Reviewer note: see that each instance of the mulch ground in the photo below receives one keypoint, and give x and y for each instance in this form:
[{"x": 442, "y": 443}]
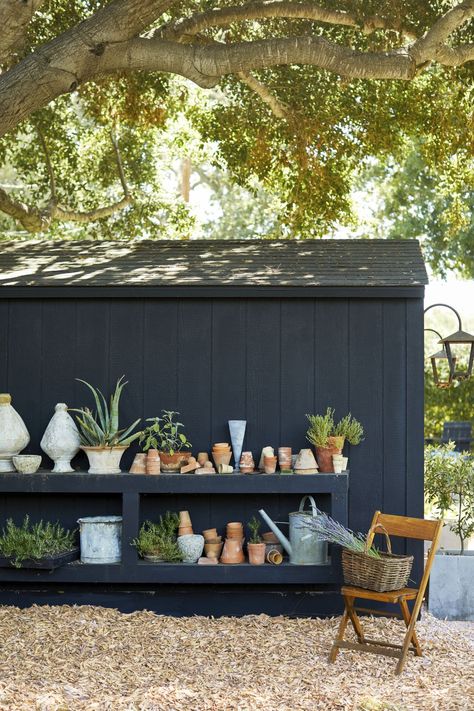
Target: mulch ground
[{"x": 92, "y": 658}]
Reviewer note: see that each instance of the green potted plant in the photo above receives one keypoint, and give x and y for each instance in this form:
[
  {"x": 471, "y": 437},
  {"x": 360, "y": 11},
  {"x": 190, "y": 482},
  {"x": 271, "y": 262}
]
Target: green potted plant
[
  {"x": 156, "y": 542},
  {"x": 449, "y": 487},
  {"x": 255, "y": 547},
  {"x": 40, "y": 545},
  {"x": 172, "y": 444},
  {"x": 328, "y": 437},
  {"x": 101, "y": 438}
]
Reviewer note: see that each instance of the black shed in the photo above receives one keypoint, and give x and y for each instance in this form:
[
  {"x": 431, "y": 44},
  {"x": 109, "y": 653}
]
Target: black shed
[{"x": 264, "y": 331}]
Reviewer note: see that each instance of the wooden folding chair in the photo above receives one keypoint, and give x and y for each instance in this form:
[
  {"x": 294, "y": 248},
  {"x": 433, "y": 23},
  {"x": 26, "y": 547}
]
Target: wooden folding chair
[{"x": 406, "y": 527}]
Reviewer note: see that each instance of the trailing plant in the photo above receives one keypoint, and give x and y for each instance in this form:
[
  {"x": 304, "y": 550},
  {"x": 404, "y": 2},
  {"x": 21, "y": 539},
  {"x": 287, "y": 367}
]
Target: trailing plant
[
  {"x": 321, "y": 427},
  {"x": 159, "y": 538},
  {"x": 163, "y": 434},
  {"x": 254, "y": 526},
  {"x": 34, "y": 541},
  {"x": 327, "y": 529},
  {"x": 349, "y": 428},
  {"x": 101, "y": 428},
  {"x": 449, "y": 486}
]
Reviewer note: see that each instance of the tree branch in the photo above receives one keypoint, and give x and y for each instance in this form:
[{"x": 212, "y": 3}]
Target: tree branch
[
  {"x": 285, "y": 9},
  {"x": 277, "y": 107},
  {"x": 65, "y": 215},
  {"x": 15, "y": 18},
  {"x": 428, "y": 47}
]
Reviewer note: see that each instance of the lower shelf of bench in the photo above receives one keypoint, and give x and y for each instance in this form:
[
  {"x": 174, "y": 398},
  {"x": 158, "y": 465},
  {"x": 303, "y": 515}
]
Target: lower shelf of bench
[{"x": 179, "y": 573}]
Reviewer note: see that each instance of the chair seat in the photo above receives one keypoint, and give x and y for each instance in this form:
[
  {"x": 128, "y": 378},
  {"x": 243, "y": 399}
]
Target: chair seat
[{"x": 390, "y": 596}]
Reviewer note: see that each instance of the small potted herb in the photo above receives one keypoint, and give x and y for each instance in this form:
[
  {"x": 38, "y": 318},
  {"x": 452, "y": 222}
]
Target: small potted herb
[
  {"x": 172, "y": 444},
  {"x": 328, "y": 437},
  {"x": 255, "y": 547},
  {"x": 40, "y": 545},
  {"x": 156, "y": 542},
  {"x": 101, "y": 438}
]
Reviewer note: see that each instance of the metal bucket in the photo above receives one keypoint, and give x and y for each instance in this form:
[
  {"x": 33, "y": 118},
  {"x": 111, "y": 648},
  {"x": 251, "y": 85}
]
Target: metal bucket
[
  {"x": 101, "y": 539},
  {"x": 305, "y": 547}
]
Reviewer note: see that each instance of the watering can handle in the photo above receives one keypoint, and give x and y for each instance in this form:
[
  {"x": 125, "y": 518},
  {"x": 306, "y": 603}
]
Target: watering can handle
[{"x": 314, "y": 508}]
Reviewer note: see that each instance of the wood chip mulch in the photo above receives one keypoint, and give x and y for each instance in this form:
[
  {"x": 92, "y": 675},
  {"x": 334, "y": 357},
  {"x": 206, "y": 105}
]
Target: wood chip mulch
[{"x": 97, "y": 659}]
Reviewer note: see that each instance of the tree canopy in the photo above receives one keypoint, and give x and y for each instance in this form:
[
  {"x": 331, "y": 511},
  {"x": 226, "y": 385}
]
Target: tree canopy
[{"x": 294, "y": 97}]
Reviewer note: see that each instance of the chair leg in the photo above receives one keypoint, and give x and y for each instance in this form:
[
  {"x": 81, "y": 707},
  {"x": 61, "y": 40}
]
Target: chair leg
[
  {"x": 406, "y": 644},
  {"x": 407, "y": 618},
  {"x": 339, "y": 637},
  {"x": 349, "y": 601}
]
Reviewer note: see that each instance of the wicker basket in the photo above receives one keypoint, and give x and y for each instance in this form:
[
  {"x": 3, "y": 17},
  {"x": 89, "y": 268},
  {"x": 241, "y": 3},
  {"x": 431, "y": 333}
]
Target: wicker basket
[{"x": 389, "y": 572}]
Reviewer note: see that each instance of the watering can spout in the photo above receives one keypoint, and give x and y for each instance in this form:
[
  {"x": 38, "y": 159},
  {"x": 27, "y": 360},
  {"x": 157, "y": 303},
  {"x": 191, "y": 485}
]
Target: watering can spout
[{"x": 283, "y": 539}]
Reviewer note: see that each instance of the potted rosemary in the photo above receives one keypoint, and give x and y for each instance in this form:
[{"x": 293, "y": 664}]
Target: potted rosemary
[
  {"x": 101, "y": 438},
  {"x": 172, "y": 444},
  {"x": 328, "y": 437},
  {"x": 255, "y": 547},
  {"x": 449, "y": 488},
  {"x": 44, "y": 546},
  {"x": 156, "y": 542}
]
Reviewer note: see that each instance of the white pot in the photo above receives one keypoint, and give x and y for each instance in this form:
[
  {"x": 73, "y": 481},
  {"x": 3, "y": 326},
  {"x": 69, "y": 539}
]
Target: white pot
[
  {"x": 101, "y": 539},
  {"x": 104, "y": 460},
  {"x": 451, "y": 591},
  {"x": 13, "y": 433},
  {"x": 61, "y": 439}
]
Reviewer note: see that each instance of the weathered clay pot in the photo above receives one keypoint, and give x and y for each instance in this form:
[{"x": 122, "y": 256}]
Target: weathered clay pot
[
  {"x": 139, "y": 464},
  {"x": 274, "y": 556},
  {"x": 213, "y": 550},
  {"x": 184, "y": 519},
  {"x": 247, "y": 464},
  {"x": 185, "y": 531},
  {"x": 191, "y": 547},
  {"x": 221, "y": 456},
  {"x": 104, "y": 460},
  {"x": 266, "y": 452},
  {"x": 235, "y": 530},
  {"x": 324, "y": 454},
  {"x": 232, "y": 553},
  {"x": 202, "y": 458},
  {"x": 284, "y": 457},
  {"x": 305, "y": 463},
  {"x": 173, "y": 462},
  {"x": 269, "y": 464},
  {"x": 256, "y": 553},
  {"x": 209, "y": 534},
  {"x": 269, "y": 537}
]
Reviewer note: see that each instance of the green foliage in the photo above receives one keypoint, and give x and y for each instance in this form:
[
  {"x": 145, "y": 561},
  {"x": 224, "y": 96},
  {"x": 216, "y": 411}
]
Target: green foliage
[
  {"x": 321, "y": 427},
  {"x": 163, "y": 434},
  {"x": 254, "y": 526},
  {"x": 159, "y": 539},
  {"x": 452, "y": 404},
  {"x": 34, "y": 541},
  {"x": 449, "y": 486},
  {"x": 101, "y": 428}
]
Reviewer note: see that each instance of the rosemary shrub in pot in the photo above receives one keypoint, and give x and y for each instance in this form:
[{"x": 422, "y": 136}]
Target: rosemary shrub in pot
[
  {"x": 101, "y": 437},
  {"x": 449, "y": 487},
  {"x": 157, "y": 542},
  {"x": 164, "y": 434},
  {"x": 329, "y": 437},
  {"x": 39, "y": 545}
]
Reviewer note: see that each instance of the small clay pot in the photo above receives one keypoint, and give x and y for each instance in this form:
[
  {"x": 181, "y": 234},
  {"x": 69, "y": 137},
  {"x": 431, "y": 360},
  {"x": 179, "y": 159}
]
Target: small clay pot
[
  {"x": 269, "y": 464},
  {"x": 217, "y": 539},
  {"x": 213, "y": 550},
  {"x": 209, "y": 533},
  {"x": 185, "y": 531},
  {"x": 185, "y": 519},
  {"x": 269, "y": 537},
  {"x": 274, "y": 557},
  {"x": 139, "y": 464},
  {"x": 247, "y": 464},
  {"x": 153, "y": 468},
  {"x": 221, "y": 457},
  {"x": 284, "y": 457},
  {"x": 202, "y": 458},
  {"x": 221, "y": 445},
  {"x": 256, "y": 553},
  {"x": 232, "y": 553},
  {"x": 153, "y": 454}
]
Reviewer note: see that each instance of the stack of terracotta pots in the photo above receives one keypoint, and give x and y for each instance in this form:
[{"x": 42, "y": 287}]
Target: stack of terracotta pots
[
  {"x": 221, "y": 453},
  {"x": 284, "y": 458},
  {"x": 247, "y": 464},
  {"x": 153, "y": 465},
  {"x": 269, "y": 464},
  {"x": 212, "y": 543},
  {"x": 233, "y": 547},
  {"x": 185, "y": 524}
]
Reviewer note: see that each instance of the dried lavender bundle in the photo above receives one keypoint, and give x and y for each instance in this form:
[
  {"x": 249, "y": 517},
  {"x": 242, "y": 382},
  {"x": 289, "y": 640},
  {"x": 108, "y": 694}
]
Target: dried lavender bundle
[{"x": 327, "y": 529}]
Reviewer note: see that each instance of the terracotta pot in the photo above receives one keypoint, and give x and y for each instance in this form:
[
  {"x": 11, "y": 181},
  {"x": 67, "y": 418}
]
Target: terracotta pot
[
  {"x": 336, "y": 441},
  {"x": 324, "y": 457},
  {"x": 221, "y": 457},
  {"x": 153, "y": 468},
  {"x": 153, "y": 454},
  {"x": 217, "y": 539},
  {"x": 213, "y": 550},
  {"x": 185, "y": 519},
  {"x": 275, "y": 557},
  {"x": 269, "y": 464},
  {"x": 284, "y": 457},
  {"x": 209, "y": 533},
  {"x": 232, "y": 553},
  {"x": 269, "y": 537},
  {"x": 173, "y": 462},
  {"x": 138, "y": 464},
  {"x": 153, "y": 465},
  {"x": 256, "y": 553},
  {"x": 185, "y": 531},
  {"x": 247, "y": 464},
  {"x": 221, "y": 445},
  {"x": 202, "y": 458}
]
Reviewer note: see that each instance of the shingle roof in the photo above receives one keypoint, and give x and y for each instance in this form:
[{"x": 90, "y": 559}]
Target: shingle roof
[{"x": 322, "y": 262}]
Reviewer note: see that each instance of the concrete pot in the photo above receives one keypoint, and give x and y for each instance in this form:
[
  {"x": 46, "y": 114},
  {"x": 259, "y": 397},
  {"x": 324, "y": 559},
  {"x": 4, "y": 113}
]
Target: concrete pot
[
  {"x": 61, "y": 439},
  {"x": 451, "y": 591},
  {"x": 191, "y": 547},
  {"x": 101, "y": 539},
  {"x": 104, "y": 460}
]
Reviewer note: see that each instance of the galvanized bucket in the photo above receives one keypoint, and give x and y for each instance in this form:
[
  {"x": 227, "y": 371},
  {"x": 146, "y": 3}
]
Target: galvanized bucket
[
  {"x": 305, "y": 548},
  {"x": 101, "y": 539}
]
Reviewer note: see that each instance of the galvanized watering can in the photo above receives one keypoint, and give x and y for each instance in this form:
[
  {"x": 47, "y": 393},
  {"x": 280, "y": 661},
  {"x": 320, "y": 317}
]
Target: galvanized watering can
[{"x": 303, "y": 546}]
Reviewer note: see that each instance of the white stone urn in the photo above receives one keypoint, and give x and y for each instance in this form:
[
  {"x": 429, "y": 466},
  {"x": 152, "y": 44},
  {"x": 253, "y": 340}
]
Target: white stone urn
[
  {"x": 104, "y": 460},
  {"x": 14, "y": 436},
  {"x": 61, "y": 439}
]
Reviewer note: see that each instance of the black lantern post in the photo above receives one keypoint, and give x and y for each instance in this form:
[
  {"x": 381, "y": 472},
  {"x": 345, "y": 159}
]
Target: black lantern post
[
  {"x": 440, "y": 356},
  {"x": 462, "y": 338}
]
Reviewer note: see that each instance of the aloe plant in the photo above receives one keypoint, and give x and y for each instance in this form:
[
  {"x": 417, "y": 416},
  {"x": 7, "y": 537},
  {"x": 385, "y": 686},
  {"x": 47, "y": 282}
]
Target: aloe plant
[{"x": 101, "y": 428}]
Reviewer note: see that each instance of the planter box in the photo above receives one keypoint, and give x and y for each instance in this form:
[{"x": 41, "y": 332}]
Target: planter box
[
  {"x": 451, "y": 592},
  {"x": 51, "y": 563}
]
